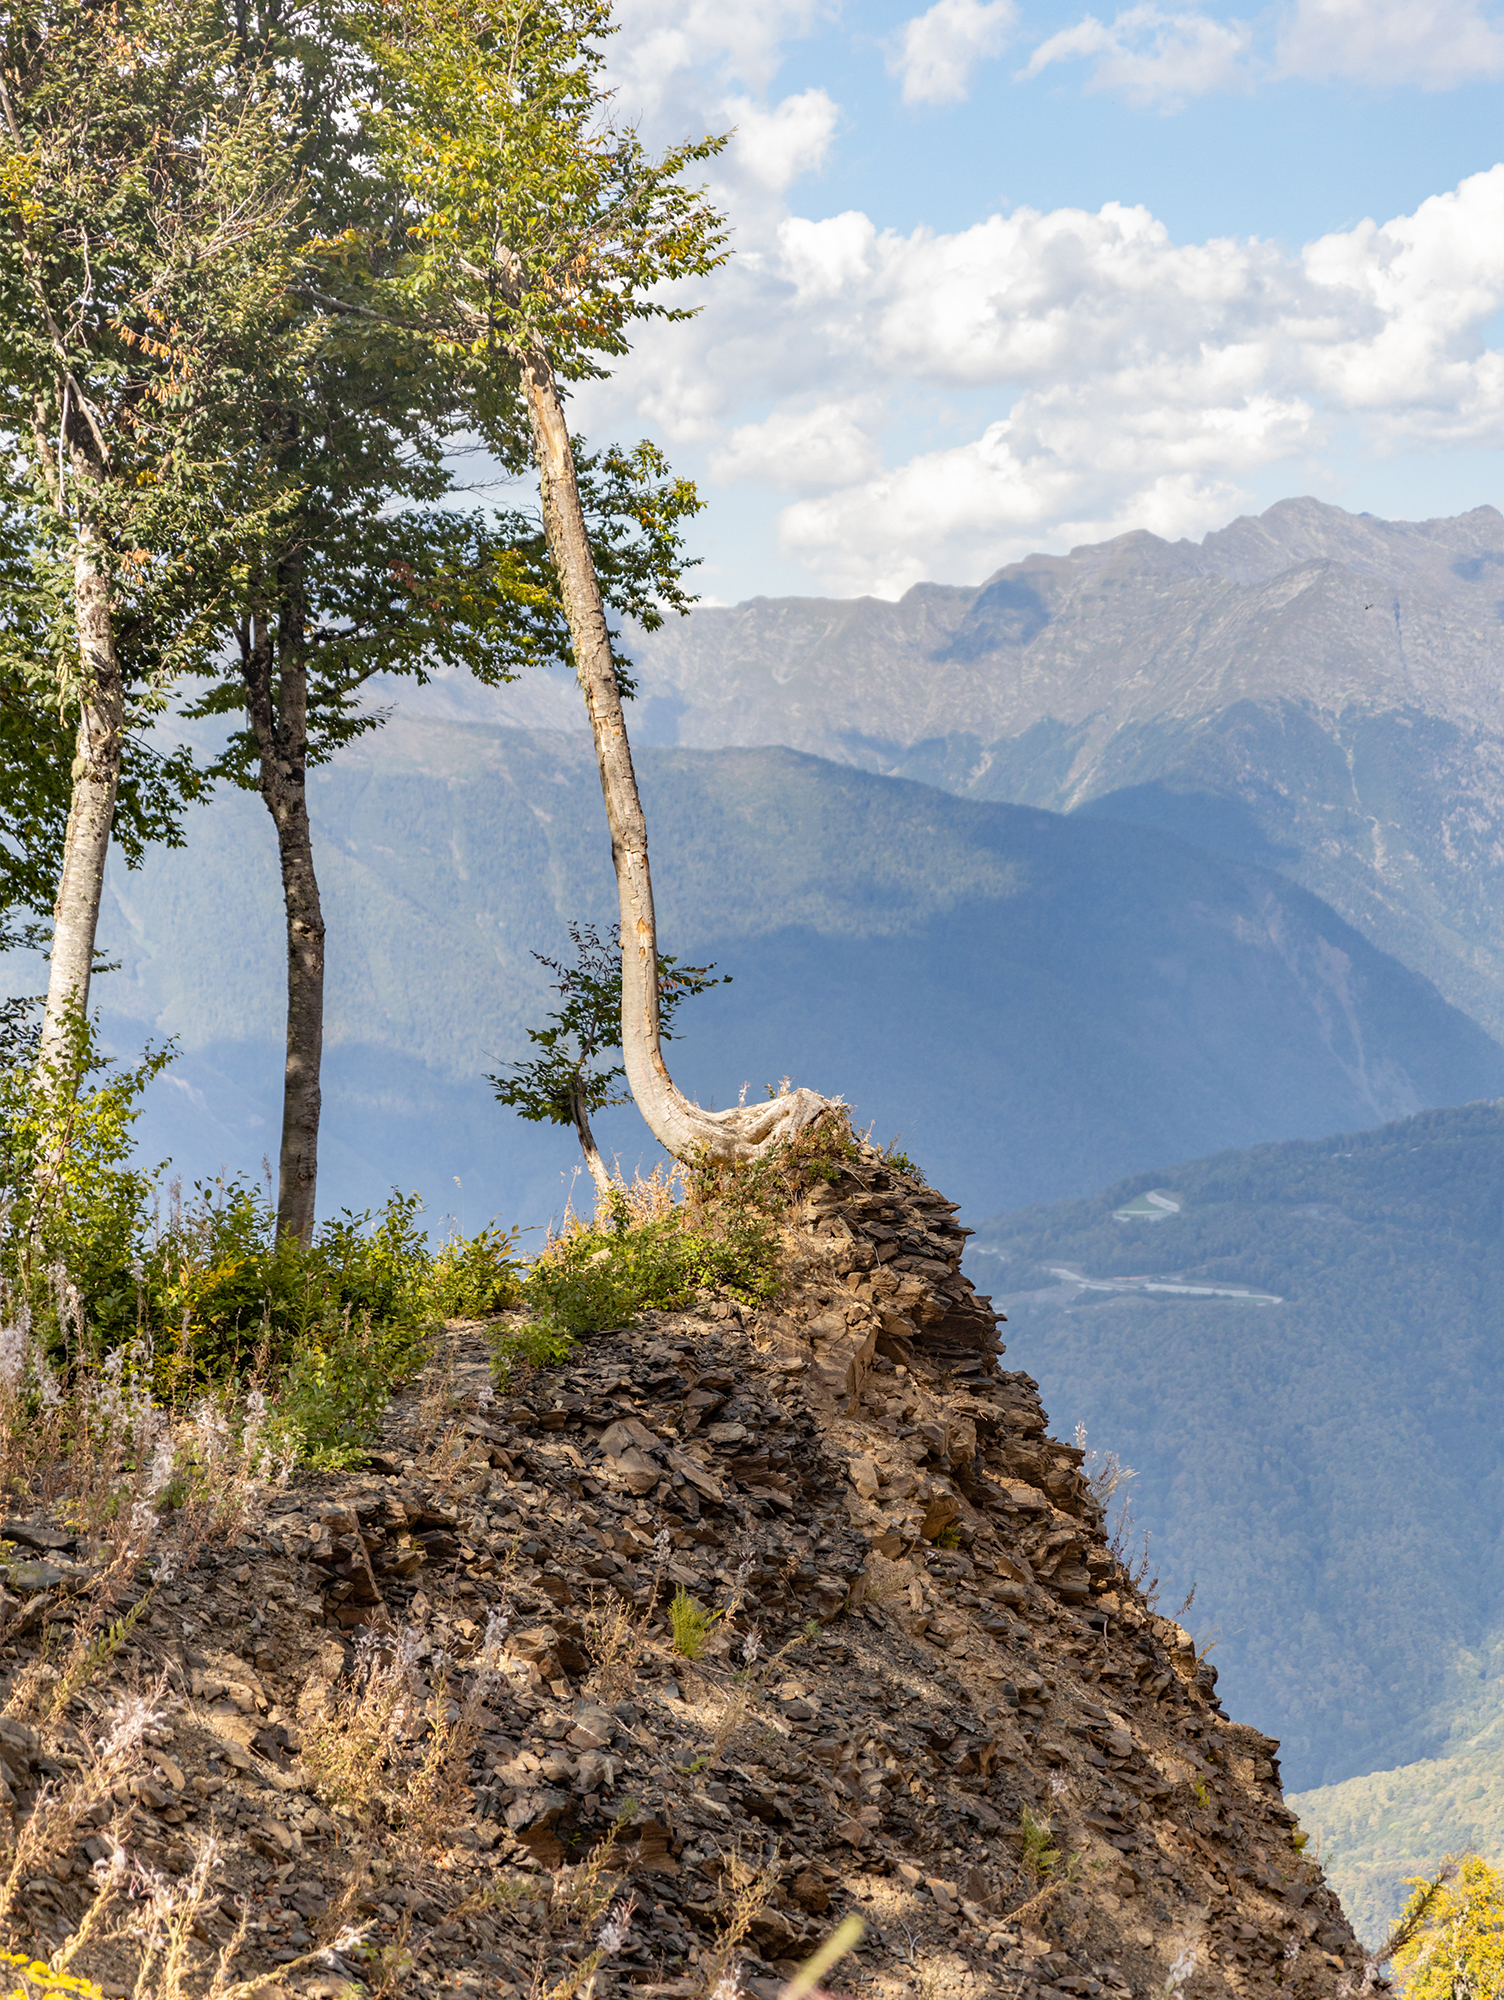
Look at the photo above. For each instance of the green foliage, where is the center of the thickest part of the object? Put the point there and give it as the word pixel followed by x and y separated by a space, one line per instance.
pixel 1036 1854
pixel 69 1200
pixel 603 1274
pixel 473 1277
pixel 587 1025
pixel 537 225
pixel 121 375
pixel 1458 1950
pixel 205 1286
pixel 690 1624
pixel 334 1394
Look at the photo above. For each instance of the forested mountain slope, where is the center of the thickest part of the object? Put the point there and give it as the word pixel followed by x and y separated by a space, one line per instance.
pixel 1314 690
pixel 1328 1470
pixel 1037 1003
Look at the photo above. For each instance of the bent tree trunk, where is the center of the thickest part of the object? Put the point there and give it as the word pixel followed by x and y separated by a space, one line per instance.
pixel 281 728
pixel 91 809
pixel 673 1120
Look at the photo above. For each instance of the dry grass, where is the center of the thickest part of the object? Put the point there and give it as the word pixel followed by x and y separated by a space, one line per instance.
pixel 751 1890
pixel 391 1754
pixel 614 1639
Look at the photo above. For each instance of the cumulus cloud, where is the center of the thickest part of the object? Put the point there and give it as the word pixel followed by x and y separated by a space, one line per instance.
pixel 935 53
pixel 1153 59
pixel 1137 382
pixel 1433 43
pixel 666 48
pixel 827 445
pixel 933 403
pixel 779 144
pixel 1156 59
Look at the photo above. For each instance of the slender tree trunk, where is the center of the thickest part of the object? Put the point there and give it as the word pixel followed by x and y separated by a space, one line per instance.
pixel 91 810
pixel 281 726
pixel 673 1120
pixel 302 1094
pixel 588 1146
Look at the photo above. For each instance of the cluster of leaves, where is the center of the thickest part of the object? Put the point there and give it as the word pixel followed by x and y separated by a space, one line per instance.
pixel 587 1027
pixel 1450 1941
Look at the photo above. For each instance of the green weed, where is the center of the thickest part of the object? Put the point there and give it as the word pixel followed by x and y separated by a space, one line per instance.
pixel 1038 1856
pixel 691 1624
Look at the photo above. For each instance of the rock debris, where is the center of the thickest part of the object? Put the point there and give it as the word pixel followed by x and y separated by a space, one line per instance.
pixel 932 1694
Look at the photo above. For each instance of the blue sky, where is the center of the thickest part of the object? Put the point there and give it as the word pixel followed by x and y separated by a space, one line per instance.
pixel 1014 276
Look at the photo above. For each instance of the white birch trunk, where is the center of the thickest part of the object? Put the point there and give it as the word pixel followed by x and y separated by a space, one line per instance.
pixel 91 810
pixel 682 1127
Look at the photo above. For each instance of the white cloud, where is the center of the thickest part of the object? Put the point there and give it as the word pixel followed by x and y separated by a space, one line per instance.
pixel 1135 381
pixel 1157 59
pixel 779 145
pixel 935 53
pixel 1433 43
pixel 803 449
pixel 1153 59
pixel 665 50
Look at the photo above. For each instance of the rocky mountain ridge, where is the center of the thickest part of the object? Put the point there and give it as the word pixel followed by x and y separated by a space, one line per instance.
pixel 1312 690
pixel 933 1695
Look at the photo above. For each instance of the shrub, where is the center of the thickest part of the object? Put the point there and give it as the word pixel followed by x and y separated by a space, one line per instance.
pixel 658 1244
pixel 68 1199
pixel 603 1275
pixel 474 1277
pixel 1038 1856
pixel 199 1294
pixel 690 1623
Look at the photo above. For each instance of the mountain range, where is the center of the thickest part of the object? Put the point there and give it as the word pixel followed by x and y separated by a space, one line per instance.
pixel 1318 692
pixel 1035 1002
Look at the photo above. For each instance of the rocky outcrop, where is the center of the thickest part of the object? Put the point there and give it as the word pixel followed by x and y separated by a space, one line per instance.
pixel 932 1696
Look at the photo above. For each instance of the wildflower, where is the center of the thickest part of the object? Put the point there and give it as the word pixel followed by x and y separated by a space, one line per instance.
pixel 488 1659
pixel 662 1543
pixel 47 1385
pixel 211 1430
pixel 615 1930
pixel 13 1345
pixel 1181 1970
pixel 349 1939
pixel 107 1403
pixel 159 1473
pixel 752 1646
pixel 729 1985
pixel 110 1866
pixel 255 1423
pixel 133 1716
